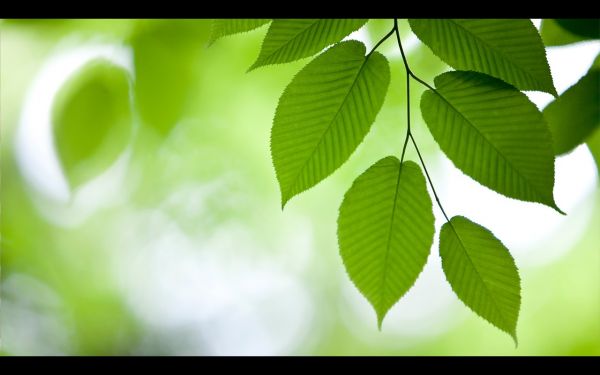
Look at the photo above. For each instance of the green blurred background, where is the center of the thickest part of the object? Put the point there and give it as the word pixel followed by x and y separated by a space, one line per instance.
pixel 141 214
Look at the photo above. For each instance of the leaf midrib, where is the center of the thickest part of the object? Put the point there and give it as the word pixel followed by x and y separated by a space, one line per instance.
pixel 389 240
pixel 536 188
pixel 506 57
pixel 295 180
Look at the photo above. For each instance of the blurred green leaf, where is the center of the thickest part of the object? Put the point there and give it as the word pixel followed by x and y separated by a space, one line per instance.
pixel 481 272
pixel 554 35
pixel 510 49
pixel 593 143
pixel 92 120
pixel 596 63
pixel 385 231
pixel 103 323
pixel 493 133
pixel 225 27
pixel 292 39
pixel 165 57
pixel 324 114
pixel 587 28
pixel 575 113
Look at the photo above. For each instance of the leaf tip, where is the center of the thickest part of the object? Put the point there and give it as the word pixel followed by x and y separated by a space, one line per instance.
pixel 252 67
pixel 557 209
pixel 380 316
pixel 513 334
pixel 284 201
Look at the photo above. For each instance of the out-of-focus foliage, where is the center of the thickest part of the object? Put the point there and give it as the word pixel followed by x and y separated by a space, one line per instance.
pixel 92 120
pixel 554 35
pixel 165 55
pixel 575 114
pixel 587 28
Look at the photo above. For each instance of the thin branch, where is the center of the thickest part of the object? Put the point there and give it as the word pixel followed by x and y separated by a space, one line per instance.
pixel 396 29
pixel 412 138
pixel 409 74
pixel 407 117
pixel 381 41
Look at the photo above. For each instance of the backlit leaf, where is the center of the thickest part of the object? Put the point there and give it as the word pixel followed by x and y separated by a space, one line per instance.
pixel 292 39
pixel 509 49
pixel 324 114
pixel 225 27
pixel 385 231
pixel 493 133
pixel 481 272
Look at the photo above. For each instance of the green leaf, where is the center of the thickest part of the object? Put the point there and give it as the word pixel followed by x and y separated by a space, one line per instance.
pixel 493 133
pixel 225 27
pixel 593 143
pixel 292 39
pixel 554 35
pixel 575 114
pixel 481 272
pixel 587 28
pixel 92 120
pixel 511 50
pixel 324 114
pixel 596 63
pixel 385 231
pixel 165 56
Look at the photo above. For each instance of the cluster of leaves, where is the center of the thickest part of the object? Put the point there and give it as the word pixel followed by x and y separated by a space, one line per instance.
pixel 478 115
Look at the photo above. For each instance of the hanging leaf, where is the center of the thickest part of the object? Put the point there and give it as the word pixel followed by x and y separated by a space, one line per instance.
pixel 493 133
pixel 481 272
pixel 292 39
pixel 92 120
pixel 385 231
pixel 575 114
pixel 226 27
pixel 510 49
pixel 324 114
